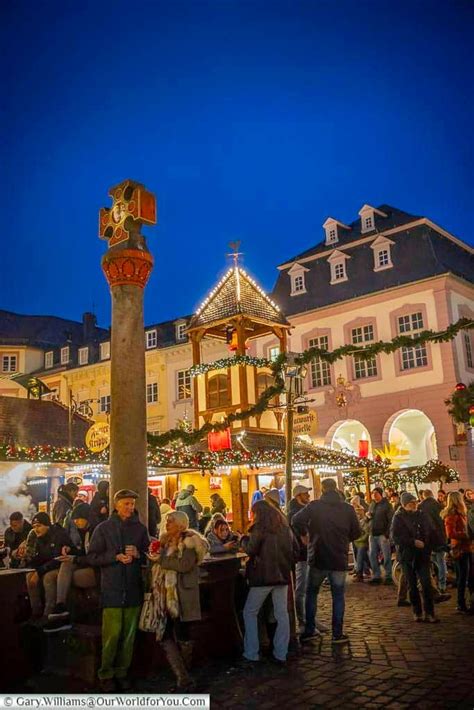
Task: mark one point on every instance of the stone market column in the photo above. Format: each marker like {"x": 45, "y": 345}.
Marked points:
{"x": 127, "y": 266}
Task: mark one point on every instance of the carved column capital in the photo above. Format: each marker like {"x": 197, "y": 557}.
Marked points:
{"x": 127, "y": 266}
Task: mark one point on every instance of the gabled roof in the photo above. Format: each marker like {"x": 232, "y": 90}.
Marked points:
{"x": 32, "y": 422}
{"x": 237, "y": 294}
{"x": 418, "y": 252}
{"x": 394, "y": 218}
{"x": 48, "y": 331}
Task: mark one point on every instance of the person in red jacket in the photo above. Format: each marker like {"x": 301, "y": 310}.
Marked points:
{"x": 455, "y": 522}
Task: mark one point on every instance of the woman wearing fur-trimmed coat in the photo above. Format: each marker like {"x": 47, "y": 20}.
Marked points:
{"x": 175, "y": 580}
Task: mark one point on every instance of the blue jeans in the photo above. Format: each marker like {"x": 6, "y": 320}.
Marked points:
{"x": 362, "y": 559}
{"x": 439, "y": 558}
{"x": 381, "y": 543}
{"x": 301, "y": 578}
{"x": 337, "y": 581}
{"x": 255, "y": 599}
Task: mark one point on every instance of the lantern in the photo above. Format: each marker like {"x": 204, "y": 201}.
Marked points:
{"x": 219, "y": 440}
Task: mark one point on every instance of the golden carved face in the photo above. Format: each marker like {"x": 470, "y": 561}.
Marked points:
{"x": 119, "y": 212}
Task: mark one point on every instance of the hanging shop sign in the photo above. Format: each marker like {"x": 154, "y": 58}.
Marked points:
{"x": 305, "y": 424}
{"x": 215, "y": 483}
{"x": 98, "y": 437}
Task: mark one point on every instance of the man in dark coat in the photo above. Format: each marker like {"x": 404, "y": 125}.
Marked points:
{"x": 298, "y": 502}
{"x": 380, "y": 517}
{"x": 45, "y": 544}
{"x": 118, "y": 547}
{"x": 410, "y": 533}
{"x": 15, "y": 535}
{"x": 439, "y": 542}
{"x": 64, "y": 501}
{"x": 332, "y": 525}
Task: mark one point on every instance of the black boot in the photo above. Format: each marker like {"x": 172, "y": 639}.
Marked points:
{"x": 176, "y": 661}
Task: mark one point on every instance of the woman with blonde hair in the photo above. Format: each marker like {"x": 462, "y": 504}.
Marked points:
{"x": 455, "y": 523}
{"x": 175, "y": 590}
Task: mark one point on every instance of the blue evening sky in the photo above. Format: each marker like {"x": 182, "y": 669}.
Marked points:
{"x": 250, "y": 120}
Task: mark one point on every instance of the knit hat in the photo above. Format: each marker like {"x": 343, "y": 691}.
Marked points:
{"x": 125, "y": 493}
{"x": 406, "y": 498}
{"x": 42, "y": 519}
{"x": 83, "y": 510}
{"x": 379, "y": 490}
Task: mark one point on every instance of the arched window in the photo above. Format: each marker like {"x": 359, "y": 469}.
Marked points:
{"x": 218, "y": 394}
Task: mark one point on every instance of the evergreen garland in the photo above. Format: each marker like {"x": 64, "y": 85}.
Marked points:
{"x": 365, "y": 352}
{"x": 459, "y": 404}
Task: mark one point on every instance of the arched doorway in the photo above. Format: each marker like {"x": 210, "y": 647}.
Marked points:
{"x": 345, "y": 435}
{"x": 411, "y": 434}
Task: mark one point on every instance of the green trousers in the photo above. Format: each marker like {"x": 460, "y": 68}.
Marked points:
{"x": 119, "y": 627}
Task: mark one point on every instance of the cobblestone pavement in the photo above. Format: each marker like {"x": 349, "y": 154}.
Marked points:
{"x": 390, "y": 662}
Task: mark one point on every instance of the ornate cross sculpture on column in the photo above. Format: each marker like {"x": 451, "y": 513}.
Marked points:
{"x": 127, "y": 266}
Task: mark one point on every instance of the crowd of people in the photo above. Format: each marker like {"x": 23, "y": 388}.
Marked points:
{"x": 87, "y": 545}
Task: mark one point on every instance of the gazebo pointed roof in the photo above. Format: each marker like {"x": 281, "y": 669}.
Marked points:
{"x": 237, "y": 294}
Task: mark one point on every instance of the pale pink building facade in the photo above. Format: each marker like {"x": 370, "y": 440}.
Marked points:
{"x": 400, "y": 275}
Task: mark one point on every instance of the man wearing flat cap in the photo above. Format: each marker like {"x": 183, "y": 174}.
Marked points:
{"x": 411, "y": 533}
{"x": 118, "y": 547}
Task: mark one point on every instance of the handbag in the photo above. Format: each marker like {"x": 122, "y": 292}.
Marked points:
{"x": 148, "y": 618}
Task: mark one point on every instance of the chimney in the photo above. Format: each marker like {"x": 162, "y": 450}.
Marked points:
{"x": 89, "y": 323}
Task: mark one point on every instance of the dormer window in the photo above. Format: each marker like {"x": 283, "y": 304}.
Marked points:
{"x": 331, "y": 227}
{"x": 337, "y": 262}
{"x": 367, "y": 218}
{"x": 151, "y": 339}
{"x": 64, "y": 356}
{"x": 181, "y": 332}
{"x": 297, "y": 276}
{"x": 382, "y": 253}
{"x": 83, "y": 356}
{"x": 49, "y": 359}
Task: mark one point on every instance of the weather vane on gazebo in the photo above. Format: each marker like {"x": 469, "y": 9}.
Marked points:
{"x": 235, "y": 246}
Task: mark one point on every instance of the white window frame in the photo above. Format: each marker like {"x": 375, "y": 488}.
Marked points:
{"x": 362, "y": 335}
{"x": 8, "y": 360}
{"x": 65, "y": 355}
{"x": 151, "y": 339}
{"x": 183, "y": 379}
{"x": 468, "y": 349}
{"x": 152, "y": 392}
{"x": 319, "y": 370}
{"x": 338, "y": 271}
{"x": 181, "y": 335}
{"x": 83, "y": 356}
{"x": 417, "y": 356}
{"x": 297, "y": 285}
{"x": 104, "y": 404}
{"x": 105, "y": 350}
{"x": 49, "y": 360}
{"x": 273, "y": 352}
{"x": 379, "y": 247}
{"x": 297, "y": 275}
